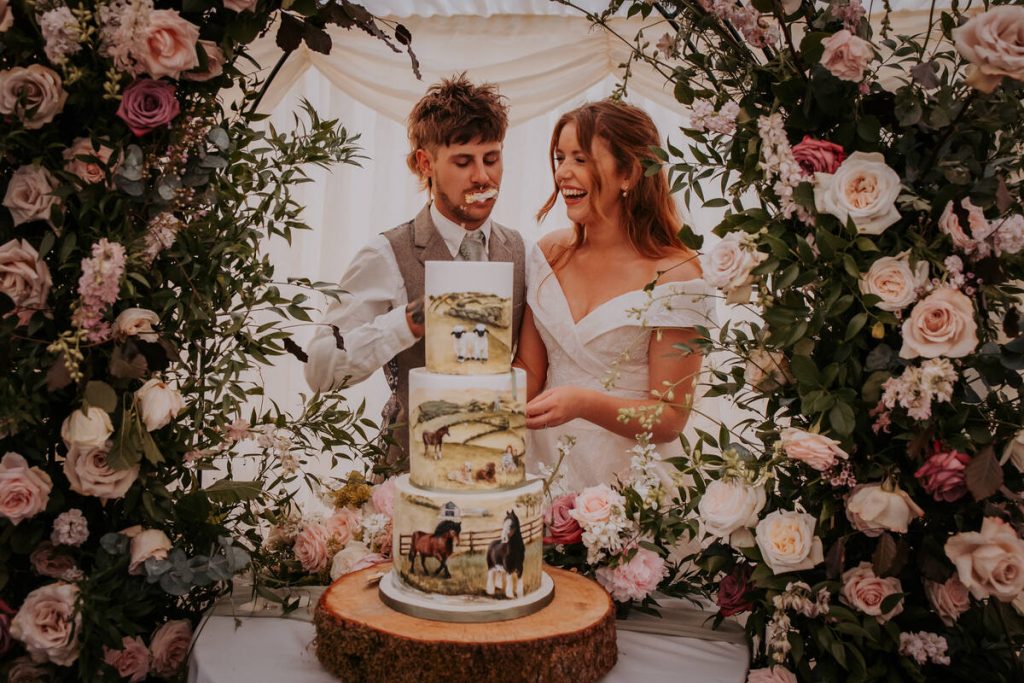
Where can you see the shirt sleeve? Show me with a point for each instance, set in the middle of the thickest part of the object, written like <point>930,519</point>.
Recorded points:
<point>370,316</point>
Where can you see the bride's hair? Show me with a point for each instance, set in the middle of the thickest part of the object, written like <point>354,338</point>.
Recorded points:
<point>648,212</point>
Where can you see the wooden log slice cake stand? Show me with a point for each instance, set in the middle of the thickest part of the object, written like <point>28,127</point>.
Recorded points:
<point>359,638</point>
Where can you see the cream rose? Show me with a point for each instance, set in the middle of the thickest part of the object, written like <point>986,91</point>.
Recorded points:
<point>941,324</point>
<point>146,544</point>
<point>892,279</point>
<point>949,599</point>
<point>158,403</point>
<point>91,172</point>
<point>89,474</point>
<point>169,647</point>
<point>596,504</point>
<point>863,189</point>
<point>864,591</point>
<point>25,278</point>
<point>767,370</point>
<point>24,490</point>
<point>846,56</point>
<point>167,45</point>
<point>872,510</point>
<point>993,42</point>
<point>816,450</point>
<point>87,428</point>
<point>48,625</point>
<point>34,94</point>
<point>729,505</point>
<point>728,264</point>
<point>136,322</point>
<point>1014,451</point>
<point>787,541</point>
<point>989,562</point>
<point>29,194</point>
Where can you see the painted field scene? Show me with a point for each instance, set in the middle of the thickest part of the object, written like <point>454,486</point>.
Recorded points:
<point>468,333</point>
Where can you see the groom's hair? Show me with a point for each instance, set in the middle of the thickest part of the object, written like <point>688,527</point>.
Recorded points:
<point>454,112</point>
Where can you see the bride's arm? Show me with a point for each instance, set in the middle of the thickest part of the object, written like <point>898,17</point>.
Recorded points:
<point>531,356</point>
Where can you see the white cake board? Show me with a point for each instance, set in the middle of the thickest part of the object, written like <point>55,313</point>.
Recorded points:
<point>465,609</point>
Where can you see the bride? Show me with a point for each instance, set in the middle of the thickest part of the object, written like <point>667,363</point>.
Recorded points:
<point>612,303</point>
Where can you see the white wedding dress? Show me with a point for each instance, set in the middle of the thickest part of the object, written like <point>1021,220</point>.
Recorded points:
<point>605,351</point>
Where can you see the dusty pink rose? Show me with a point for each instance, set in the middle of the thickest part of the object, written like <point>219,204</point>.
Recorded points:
<point>24,490</point>
<point>214,63</point>
<point>90,171</point>
<point>980,227</point>
<point>941,324</point>
<point>50,562</point>
<point>560,525</point>
<point>942,475</point>
<point>383,497</point>
<point>6,15</point>
<point>47,624</point>
<point>989,562</point>
<point>733,591</point>
<point>596,504</point>
<point>311,547</point>
<point>29,194</point>
<point>89,474</point>
<point>846,56</point>
<point>342,525</point>
<point>949,599</point>
<point>25,278</point>
<point>158,403</point>
<point>865,592</point>
<point>146,544</point>
<point>818,156</point>
<point>148,104</point>
<point>872,509</point>
<point>136,322</point>
<point>167,45</point>
<point>241,5</point>
<point>6,614</point>
<point>993,42</point>
<point>773,674</point>
<point>816,450</point>
<point>636,579</point>
<point>131,661</point>
<point>169,647</point>
<point>34,94</point>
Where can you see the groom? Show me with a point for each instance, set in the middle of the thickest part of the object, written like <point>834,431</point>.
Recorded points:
<point>456,132</point>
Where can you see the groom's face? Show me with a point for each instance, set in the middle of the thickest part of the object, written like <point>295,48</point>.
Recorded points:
<point>465,179</point>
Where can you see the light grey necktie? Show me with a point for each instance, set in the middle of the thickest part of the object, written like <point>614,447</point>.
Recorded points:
<point>472,247</point>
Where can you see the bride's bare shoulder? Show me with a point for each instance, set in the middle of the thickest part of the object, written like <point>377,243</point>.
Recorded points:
<point>555,243</point>
<point>680,265</point>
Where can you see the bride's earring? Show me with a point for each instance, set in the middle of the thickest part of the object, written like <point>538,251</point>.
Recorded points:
<point>625,192</point>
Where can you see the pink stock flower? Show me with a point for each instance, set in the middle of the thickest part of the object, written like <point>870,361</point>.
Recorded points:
<point>70,528</point>
<point>131,661</point>
<point>636,579</point>
<point>148,104</point>
<point>561,526</point>
<point>99,287</point>
<point>818,156</point>
<point>942,475</point>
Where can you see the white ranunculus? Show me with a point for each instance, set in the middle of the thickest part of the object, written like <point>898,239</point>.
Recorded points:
<point>89,428</point>
<point>787,541</point>
<point>894,280</point>
<point>158,403</point>
<point>729,505</point>
<point>863,189</point>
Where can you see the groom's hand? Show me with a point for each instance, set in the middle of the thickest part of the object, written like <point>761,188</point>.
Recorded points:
<point>414,317</point>
<point>555,407</point>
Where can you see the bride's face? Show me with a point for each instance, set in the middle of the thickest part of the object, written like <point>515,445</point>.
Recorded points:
<point>576,173</point>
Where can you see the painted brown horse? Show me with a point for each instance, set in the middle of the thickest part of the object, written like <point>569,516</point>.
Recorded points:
<point>440,545</point>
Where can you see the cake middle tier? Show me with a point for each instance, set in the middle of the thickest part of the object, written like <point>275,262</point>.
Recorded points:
<point>467,432</point>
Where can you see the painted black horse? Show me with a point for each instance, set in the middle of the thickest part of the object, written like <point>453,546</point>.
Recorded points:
<point>505,559</point>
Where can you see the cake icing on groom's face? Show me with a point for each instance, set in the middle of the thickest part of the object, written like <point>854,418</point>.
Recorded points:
<point>464,179</point>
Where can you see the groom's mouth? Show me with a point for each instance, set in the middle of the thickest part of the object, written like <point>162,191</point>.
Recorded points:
<point>480,196</point>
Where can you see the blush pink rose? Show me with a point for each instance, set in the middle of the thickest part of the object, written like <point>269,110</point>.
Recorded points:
<point>894,281</point>
<point>846,56</point>
<point>729,264</point>
<point>89,474</point>
<point>383,497</point>
<point>167,45</point>
<point>90,171</point>
<point>169,647</point>
<point>24,490</point>
<point>989,562</point>
<point>561,527</point>
<point>941,324</point>
<point>52,563</point>
<point>214,63</point>
<point>872,509</point>
<point>863,190</point>
<point>818,156</point>
<point>311,547</point>
<point>34,94</point>
<point>131,661</point>
<point>146,544</point>
<point>942,475</point>
<point>596,504</point>
<point>816,450</point>
<point>25,278</point>
<point>773,674</point>
<point>148,104</point>
<point>865,592</point>
<point>949,599</point>
<point>30,195</point>
<point>993,42</point>
<point>635,579</point>
<point>342,525</point>
<point>48,625</point>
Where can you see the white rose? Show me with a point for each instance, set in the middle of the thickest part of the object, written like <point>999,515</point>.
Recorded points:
<point>941,324</point>
<point>816,450</point>
<point>729,505</point>
<point>146,544</point>
<point>34,94</point>
<point>48,625</point>
<point>893,280</point>
<point>729,263</point>
<point>138,322</point>
<point>158,403</point>
<point>1014,451</point>
<point>29,195</point>
<point>871,509</point>
<point>863,189</point>
<point>89,428</point>
<point>787,541</point>
<point>989,562</point>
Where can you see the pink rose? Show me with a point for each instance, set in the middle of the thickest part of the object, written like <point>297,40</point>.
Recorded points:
<point>6,15</point>
<point>24,490</point>
<point>865,592</point>
<point>147,105</point>
<point>559,523</point>
<point>816,450</point>
<point>146,544</point>
<point>342,525</point>
<point>241,5</point>
<point>131,661</point>
<point>816,156</point>
<point>872,509</point>
<point>91,171</point>
<point>733,591</point>
<point>158,403</point>
<point>167,45</point>
<point>846,56</point>
<point>949,223</point>
<point>48,625</point>
<point>941,324</point>
<point>383,497</point>
<point>949,599</point>
<point>24,670</point>
<point>34,94</point>
<point>169,647</point>
<point>993,42</point>
<point>311,547</point>
<point>596,504</point>
<point>89,474</point>
<point>635,579</point>
<point>729,265</point>
<point>942,475</point>
<point>6,641</point>
<point>214,63</point>
<point>25,278</point>
<point>989,562</point>
<point>773,674</point>
<point>52,563</point>
<point>29,194</point>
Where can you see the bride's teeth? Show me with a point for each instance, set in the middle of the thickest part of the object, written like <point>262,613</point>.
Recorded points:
<point>572,194</point>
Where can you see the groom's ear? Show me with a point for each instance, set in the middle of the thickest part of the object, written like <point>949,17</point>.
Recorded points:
<point>425,163</point>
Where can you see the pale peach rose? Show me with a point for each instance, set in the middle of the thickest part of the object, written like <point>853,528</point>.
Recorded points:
<point>993,42</point>
<point>729,505</point>
<point>24,490</point>
<point>1014,451</point>
<point>87,428</point>
<point>846,56</point>
<point>136,322</point>
<point>311,547</point>
<point>729,264</point>
<point>865,592</point>
<point>90,172</point>
<point>241,5</point>
<point>816,450</point>
<point>89,474</point>
<point>214,63</point>
<point>167,45</point>
<point>169,647</point>
<point>980,226</point>
<point>29,194</point>
<point>941,324</point>
<point>787,541</point>
<point>6,15</point>
<point>949,599</point>
<point>34,94</point>
<point>989,562</point>
<point>767,370</point>
<point>596,504</point>
<point>774,674</point>
<point>342,525</point>
<point>146,544</point>
<point>873,510</point>
<point>25,278</point>
<point>131,661</point>
<point>48,625</point>
<point>895,281</point>
<point>158,403</point>
<point>863,189</point>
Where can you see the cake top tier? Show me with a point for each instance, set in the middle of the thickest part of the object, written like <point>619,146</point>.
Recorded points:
<point>468,307</point>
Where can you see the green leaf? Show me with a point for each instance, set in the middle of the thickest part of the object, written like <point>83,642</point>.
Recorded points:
<point>101,395</point>
<point>229,491</point>
<point>150,449</point>
<point>842,418</point>
<point>856,324</point>
<point>805,371</point>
